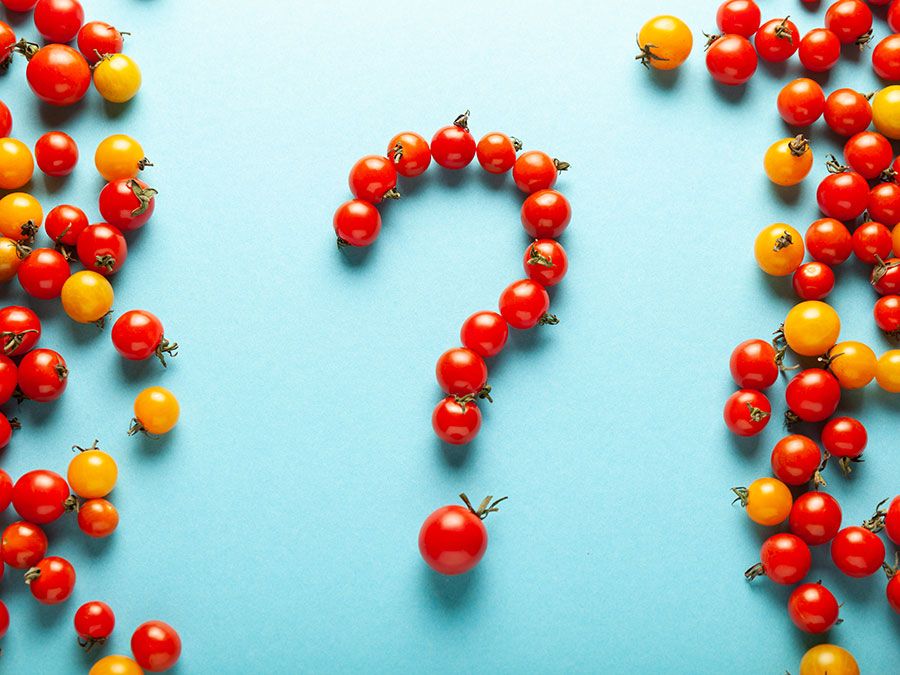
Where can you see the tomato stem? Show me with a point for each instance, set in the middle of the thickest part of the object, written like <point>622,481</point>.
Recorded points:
<point>799,146</point>
<point>486,507</point>
<point>756,414</point>
<point>90,643</point>
<point>783,241</point>
<point>393,193</point>
<point>844,463</point>
<point>892,571</point>
<point>14,423</point>
<point>646,55</point>
<point>710,39</point>
<point>166,347</point>
<point>881,268</point>
<point>876,522</point>
<point>743,494</point>
<point>28,229</point>
<point>834,166</point>
<point>342,243</point>
<point>462,121</point>
<point>548,319</point>
<point>756,571</point>
<point>106,261</point>
<point>26,48</point>
<point>12,340</point>
<point>863,40</point>
<point>93,446</point>
<point>397,152</point>
<point>144,196</point>
<point>560,165</point>
<point>782,32</point>
<point>790,419</point>
<point>144,163</point>
<point>71,504</point>
<point>31,574</point>
<point>517,144</point>
<point>535,257</point>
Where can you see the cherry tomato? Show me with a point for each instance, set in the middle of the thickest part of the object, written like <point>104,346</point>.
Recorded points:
<point>545,262</point>
<point>20,329</point>
<point>893,16</point>
<point>41,496</point>
<point>895,235</point>
<point>410,154</point>
<point>16,164</point>
<point>819,50</point>
<point>98,37</point>
<point>138,335</point>
<point>8,381</point>
<point>156,646</point>
<point>119,157</point>
<point>801,102</point>
<point>847,112</point>
<point>828,660</point>
<point>815,517</point>
<point>453,147</point>
<point>461,371</point>
<point>795,459</point>
<point>356,223</point>
<point>886,276</point>
<point>868,153</point>
<point>6,490</point>
<point>813,281</point>
<point>813,395</point>
<point>741,17</point>
<point>21,216</point>
<point>844,438</point>
<point>156,411</point>
<point>485,333</point>
<point>811,328</point>
<point>5,115</point>
<point>373,179</point>
<point>546,214</point>
<point>777,40</point>
<point>127,203</point>
<point>116,664</point>
<point>117,78</point>
<point>887,371</point>
<point>886,111</point>
<point>887,314</point>
<point>884,203</point>
<point>813,608</point>
<point>94,623</point>
<point>456,421</point>
<point>852,363</point>
<point>778,249</point>
<point>850,20</point>
<point>87,297</point>
<point>754,365</point>
<point>747,412</point>
<point>9,259</point>
<point>829,241</point>
<point>784,558</point>
<point>525,304</point>
<point>43,375</point>
<point>58,75</point>
<point>7,426</point>
<point>665,42</point>
<point>23,545</point>
<point>453,538</point>
<point>51,581</point>
<point>56,153</point>
<point>102,248</point>
<point>843,196</point>
<point>886,58</point>
<point>43,273</point>
<point>892,520</point>
<point>857,552</point>
<point>535,171</point>
<point>4,619</point>
<point>58,20</point>
<point>92,472</point>
<point>7,42</point>
<point>64,224</point>
<point>497,152</point>
<point>19,5</point>
<point>766,500</point>
<point>97,518</point>
<point>731,60</point>
<point>893,588</point>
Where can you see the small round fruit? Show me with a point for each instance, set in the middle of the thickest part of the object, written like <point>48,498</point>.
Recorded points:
<point>813,608</point>
<point>853,364</point>
<point>87,297</point>
<point>456,421</point>
<point>665,43</point>
<point>747,412</point>
<point>546,214</point>
<point>156,411</point>
<point>16,164</point>
<point>857,552</point>
<point>92,472</point>
<point>117,78</point>
<point>767,501</point>
<point>485,333</point>
<point>51,581</point>
<point>828,660</point>
<point>811,328</point>
<point>156,646</point>
<point>119,157</point>
<point>115,664</point>
<point>97,518</point>
<point>887,371</point>
<point>778,249</point>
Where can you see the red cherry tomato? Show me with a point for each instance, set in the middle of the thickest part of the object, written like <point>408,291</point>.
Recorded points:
<point>795,459</point>
<point>829,241</point>
<point>138,335</point>
<point>525,304</point>
<point>731,60</point>
<point>784,558</point>
<point>23,545</point>
<point>453,538</point>
<point>43,273</point>
<point>497,152</point>
<point>485,333</point>
<point>64,224</point>
<point>886,58</point>
<point>6,489</point>
<point>58,75</point>
<point>893,16</point>
<point>456,421</point>
<point>545,262</point>
<point>19,5</point>
<point>884,203</point>
<point>373,178</point>
<point>845,438</point>
<point>58,20</point>
<point>815,517</point>
<point>453,146</point>
<point>41,496</point>
<point>97,518</point>
<point>893,589</point>
<point>850,20</point>
<point>868,153</point>
<point>94,623</point>
<point>892,521</point>
<point>102,248</point>
<point>820,50</point>
<point>801,102</point>
<point>535,171</point>
<point>56,153</point>
<point>7,42</point>
<point>753,365</point>
<point>747,412</point>
<point>9,378</point>
<point>20,329</point>
<point>546,214</point>
<point>740,17</point>
<point>857,552</point>
<point>5,115</point>
<point>887,314</point>
<point>813,281</point>
<point>843,196</point>
<point>98,37</point>
<point>410,154</point>
<point>813,395</point>
<point>813,608</point>
<point>847,112</point>
<point>871,241</point>
<point>43,375</point>
<point>6,430</point>
<point>356,223</point>
<point>886,277</point>
<point>127,203</point>
<point>777,40</point>
<point>461,371</point>
<point>51,581</point>
<point>156,646</point>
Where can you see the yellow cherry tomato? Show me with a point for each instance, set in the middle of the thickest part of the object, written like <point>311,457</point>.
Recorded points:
<point>115,664</point>
<point>117,78</point>
<point>895,235</point>
<point>665,43</point>
<point>21,216</point>
<point>779,249</point>
<point>9,259</point>
<point>92,473</point>
<point>118,157</point>
<point>16,164</point>
<point>852,363</point>
<point>812,328</point>
<point>156,411</point>
<point>887,371</point>
<point>886,111</point>
<point>828,660</point>
<point>87,297</point>
<point>788,161</point>
<point>768,501</point>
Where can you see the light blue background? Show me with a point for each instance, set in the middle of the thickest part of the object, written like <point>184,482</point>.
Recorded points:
<point>276,527</point>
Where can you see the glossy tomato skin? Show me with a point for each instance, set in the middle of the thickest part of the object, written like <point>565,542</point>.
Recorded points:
<point>813,281</point>
<point>461,371</point>
<point>452,540</point>
<point>884,203</point>
<point>778,249</point>
<point>23,325</point>
<point>892,521</point>
<point>43,273</point>
<point>102,248</point>
<point>847,112</point>
<point>844,437</point>
<point>40,496</point>
<point>795,459</point>
<point>731,60</point>
<point>454,422</point>
<point>887,371</point>
<point>372,178</point>
<point>829,241</point>
<point>156,411</point>
<point>741,17</point>
<point>524,304</point>
<point>820,50</point>
<point>887,313</point>
<point>137,334</point>
<point>850,20</point>
<point>815,517</point>
<point>777,40</point>
<point>94,621</point>
<point>58,20</point>
<point>753,365</point>
<point>545,262</point>
<point>811,328</point>
<point>785,559</point>
<point>23,545</point>
<point>53,582</point>
<point>9,378</point>
<point>857,552</point>
<point>43,375</point>
<point>853,364</point>
<point>453,147</point>
<point>410,154</point>
<point>885,277</point>
<point>843,196</point>
<point>665,42</point>
<point>886,58</point>
<point>868,153</point>
<point>534,171</point>
<point>58,75</point>
<point>6,121</point>
<point>546,214</point>
<point>98,37</point>
<point>767,501</point>
<point>97,518</point>
<point>813,395</point>
<point>6,488</point>
<point>156,646</point>
<point>801,102</point>
<point>497,152</point>
<point>127,203</point>
<point>813,608</point>
<point>485,333</point>
<point>357,223</point>
<point>64,223</point>
<point>892,591</point>
<point>56,153</point>
<point>747,412</point>
<point>828,659</point>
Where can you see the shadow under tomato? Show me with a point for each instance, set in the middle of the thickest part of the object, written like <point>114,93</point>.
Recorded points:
<point>456,456</point>
<point>450,592</point>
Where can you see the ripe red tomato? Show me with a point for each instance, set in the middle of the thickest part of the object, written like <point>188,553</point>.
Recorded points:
<point>747,412</point>
<point>872,241</point>
<point>820,50</point>
<point>815,517</point>
<point>5,115</point>
<point>497,152</point>
<point>410,154</point>
<point>784,558</point>
<point>857,552</point>
<point>23,545</point>
<point>845,438</point>
<point>740,17</point>
<point>7,42</point>
<point>850,20</point>
<point>893,16</point>
<point>6,489</point>
<point>813,608</point>
<point>356,223</point>
<point>535,171</point>
<point>58,20</point>
<point>98,37</point>
<point>813,281</point>
<point>456,421</point>
<point>892,520</point>
<point>546,214</point>
<point>138,335</point>
<point>43,375</point>
<point>843,196</point>
<point>19,5</point>
<point>829,241</point>
<point>58,75</point>
<point>102,248</point>
<point>156,646</point>
<point>20,329</point>
<point>9,379</point>
<point>545,262</point>
<point>525,304</point>
<point>485,333</point>
<point>64,224</point>
<point>893,588</point>
<point>43,273</point>
<point>51,581</point>
<point>373,178</point>
<point>453,538</point>
<point>887,314</point>
<point>847,112</point>
<point>868,153</point>
<point>731,60</point>
<point>97,518</point>
<point>94,623</point>
<point>127,203</point>
<point>795,459</point>
<point>753,365</point>
<point>886,58</point>
<point>813,395</point>
<point>801,102</point>
<point>56,153</point>
<point>886,277</point>
<point>453,146</point>
<point>7,426</point>
<point>41,496</point>
<point>884,203</point>
<point>777,40</point>
<point>461,371</point>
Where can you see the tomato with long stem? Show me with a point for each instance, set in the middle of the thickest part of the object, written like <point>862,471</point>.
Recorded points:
<point>453,539</point>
